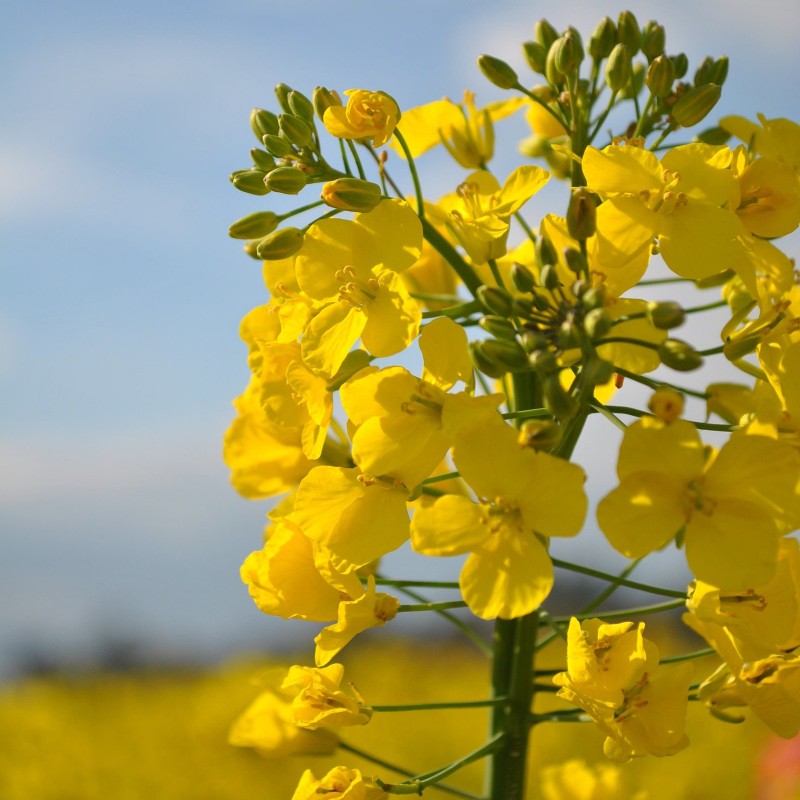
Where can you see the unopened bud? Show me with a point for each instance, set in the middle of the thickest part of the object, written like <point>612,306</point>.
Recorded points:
<point>535,55</point>
<point>653,40</point>
<point>296,131</point>
<point>628,32</point>
<point>702,75</point>
<point>560,404</point>
<point>618,68</point>
<point>695,105</point>
<point>737,348</point>
<point>351,194</point>
<point>498,72</point>
<point>666,404</point>
<point>522,278</point>
<point>720,71</point>
<point>249,180</point>
<point>484,363</point>
<point>545,252</point>
<point>681,63</point>
<point>660,76</point>
<point>597,323</point>
<point>324,99</point>
<point>553,74</point>
<point>569,335</point>
<point>254,226</point>
<point>533,340</point>
<point>594,297</point>
<point>539,434</point>
<point>282,93</point>
<point>522,307</point>
<point>286,180</point>
<point>548,276</point>
<point>603,39</point>
<point>582,214</point>
<point>278,146</point>
<point>498,326</point>
<point>715,136</point>
<point>597,371</point>
<point>679,355</point>
<point>280,244</point>
<point>301,106</point>
<point>568,53</point>
<point>262,160</point>
<point>544,33</point>
<point>495,300</point>
<point>543,361</point>
<point>665,315</point>
<point>263,122</point>
<point>576,261</point>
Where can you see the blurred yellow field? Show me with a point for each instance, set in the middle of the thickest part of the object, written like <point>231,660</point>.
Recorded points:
<point>162,734</point>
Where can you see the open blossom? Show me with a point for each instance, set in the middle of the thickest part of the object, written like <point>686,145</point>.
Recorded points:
<point>341,783</point>
<point>367,115</point>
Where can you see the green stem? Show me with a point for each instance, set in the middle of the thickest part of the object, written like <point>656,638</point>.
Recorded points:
<point>531,413</point>
<point>615,579</point>
<point>444,606</point>
<point>602,118</point>
<point>359,166</point>
<point>450,254</point>
<point>707,651</point>
<point>637,412</point>
<point>417,584</point>
<point>445,477</point>
<point>412,168</point>
<point>626,613</point>
<point>545,106</point>
<point>438,706</point>
<point>605,411</point>
<point>461,310</point>
<point>658,384</point>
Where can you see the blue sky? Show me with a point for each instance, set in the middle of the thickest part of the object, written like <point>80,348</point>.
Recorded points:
<point>121,293</point>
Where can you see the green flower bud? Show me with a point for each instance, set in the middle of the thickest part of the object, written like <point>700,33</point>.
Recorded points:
<point>569,335</point>
<point>666,315</point>
<point>495,300</point>
<point>286,180</point>
<point>323,99</point>
<point>282,93</point>
<point>263,122</point>
<point>653,40</point>
<point>280,244</point>
<point>254,226</point>
<point>498,72</point>
<point>522,307</point>
<point>560,404</point>
<point>681,64</point>
<point>261,160</point>
<point>679,355</point>
<point>636,83</point>
<point>548,276</point>
<point>543,361</point>
<point>575,260</point>
<point>660,76</point>
<point>734,349</point>
<point>301,106</point>
<point>535,55</point>
<point>278,146</point>
<point>554,76</point>
<point>618,68</point>
<point>720,71</point>
<point>568,53</point>
<point>540,434</point>
<point>715,135</point>
<point>545,252</point>
<point>498,326</point>
<point>597,371</point>
<point>582,214</point>
<point>533,340</point>
<point>295,130</point>
<point>351,194</point>
<point>249,180</point>
<point>353,362</point>
<point>628,32</point>
<point>594,297</point>
<point>485,364</point>
<point>523,278</point>
<point>251,248</point>
<point>597,323</point>
<point>603,39</point>
<point>695,105</point>
<point>702,74</point>
<point>541,303</point>
<point>544,33</point>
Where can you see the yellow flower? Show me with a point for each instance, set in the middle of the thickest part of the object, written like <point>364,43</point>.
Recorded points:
<point>371,610</point>
<point>319,701</point>
<point>576,780</point>
<point>734,507</point>
<point>367,115</point>
<point>340,783</point>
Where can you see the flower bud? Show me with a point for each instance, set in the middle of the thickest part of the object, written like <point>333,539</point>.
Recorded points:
<point>543,361</point>
<point>568,53</point>
<point>249,180</point>
<point>720,71</point>
<point>548,276</point>
<point>495,300</point>
<point>734,349</point>
<point>533,340</point>
<point>280,244</point>
<point>286,180</point>
<point>594,297</point>
<point>278,146</point>
<point>597,323</point>
<point>498,72</point>
<point>569,335</point>
<point>666,404</point>
<point>560,404</point>
<point>522,307</point>
<point>301,106</point>
<point>535,55</point>
<point>261,160</point>
<point>323,99</point>
<point>498,326</point>
<point>695,105</point>
<point>681,64</point>
<point>263,122</point>
<point>251,248</point>
<point>679,355</point>
<point>582,214</point>
<point>597,371</point>
<point>545,252</point>
<point>544,33</point>
<point>638,71</point>
<point>282,93</point>
<point>653,40</point>
<point>554,76</point>
<point>664,315</point>
<point>576,261</point>
<point>603,39</point>
<point>628,32</point>
<point>523,278</point>
<point>618,68</point>
<point>254,226</point>
<point>541,303</point>
<point>483,363</point>
<point>295,130</point>
<point>702,75</point>
<point>539,434</point>
<point>660,76</point>
<point>351,194</point>
<point>715,136</point>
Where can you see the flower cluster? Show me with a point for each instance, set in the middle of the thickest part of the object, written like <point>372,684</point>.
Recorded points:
<point>423,370</point>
